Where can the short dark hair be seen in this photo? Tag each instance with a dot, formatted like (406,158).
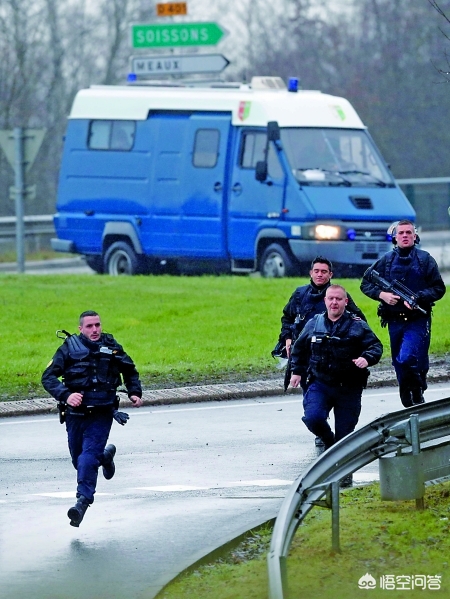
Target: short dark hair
(87,313)
(321,260)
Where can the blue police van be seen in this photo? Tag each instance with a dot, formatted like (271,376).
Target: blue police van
(233,178)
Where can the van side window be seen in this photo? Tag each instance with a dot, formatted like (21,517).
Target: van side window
(252,149)
(206,148)
(111,135)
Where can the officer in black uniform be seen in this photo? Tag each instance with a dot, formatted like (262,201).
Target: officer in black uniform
(335,348)
(309,300)
(409,329)
(91,367)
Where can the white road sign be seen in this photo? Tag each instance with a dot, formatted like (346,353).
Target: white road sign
(178,64)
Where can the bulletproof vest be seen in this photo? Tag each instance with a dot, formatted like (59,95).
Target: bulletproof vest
(331,356)
(306,307)
(93,371)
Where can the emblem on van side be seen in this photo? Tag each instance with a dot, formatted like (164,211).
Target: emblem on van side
(244,110)
(338,111)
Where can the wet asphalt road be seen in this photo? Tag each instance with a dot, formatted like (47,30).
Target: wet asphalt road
(189,477)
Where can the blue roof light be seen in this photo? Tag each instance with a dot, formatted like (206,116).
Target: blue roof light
(293,84)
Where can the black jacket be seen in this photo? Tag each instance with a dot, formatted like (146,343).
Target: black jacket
(95,369)
(417,270)
(325,349)
(304,304)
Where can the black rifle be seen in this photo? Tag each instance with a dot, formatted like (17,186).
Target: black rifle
(397,288)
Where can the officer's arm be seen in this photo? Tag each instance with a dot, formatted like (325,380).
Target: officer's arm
(287,320)
(300,350)
(130,375)
(368,288)
(51,377)
(435,285)
(372,348)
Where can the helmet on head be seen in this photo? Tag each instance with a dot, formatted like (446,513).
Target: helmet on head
(392,231)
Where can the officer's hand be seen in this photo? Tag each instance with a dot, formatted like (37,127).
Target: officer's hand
(295,380)
(389,298)
(408,306)
(360,362)
(75,400)
(136,401)
(120,417)
(288,347)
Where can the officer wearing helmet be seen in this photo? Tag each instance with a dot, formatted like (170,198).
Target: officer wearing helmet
(409,329)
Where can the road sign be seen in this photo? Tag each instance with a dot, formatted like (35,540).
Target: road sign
(32,140)
(176,34)
(151,66)
(171,9)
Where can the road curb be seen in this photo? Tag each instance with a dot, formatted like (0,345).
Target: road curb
(226,545)
(201,393)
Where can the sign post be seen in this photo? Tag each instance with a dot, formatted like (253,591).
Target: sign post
(20,147)
(176,35)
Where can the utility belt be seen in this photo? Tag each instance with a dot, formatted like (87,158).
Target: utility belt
(351,379)
(90,410)
(83,411)
(387,315)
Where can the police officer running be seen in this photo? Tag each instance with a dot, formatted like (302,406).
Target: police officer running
(91,366)
(308,300)
(335,348)
(409,329)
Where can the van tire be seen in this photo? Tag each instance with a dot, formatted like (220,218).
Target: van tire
(276,262)
(95,262)
(121,259)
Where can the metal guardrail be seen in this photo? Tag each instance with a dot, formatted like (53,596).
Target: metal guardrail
(34,225)
(382,436)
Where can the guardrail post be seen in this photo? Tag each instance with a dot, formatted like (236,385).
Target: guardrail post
(19,193)
(415,449)
(335,542)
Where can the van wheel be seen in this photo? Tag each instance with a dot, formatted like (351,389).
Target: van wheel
(95,262)
(276,263)
(121,259)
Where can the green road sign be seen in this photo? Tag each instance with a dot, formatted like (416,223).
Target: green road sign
(176,34)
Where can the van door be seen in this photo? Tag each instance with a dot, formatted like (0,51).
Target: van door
(253,205)
(205,186)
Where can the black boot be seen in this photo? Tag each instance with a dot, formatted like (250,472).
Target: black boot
(417,396)
(406,395)
(76,513)
(346,482)
(109,467)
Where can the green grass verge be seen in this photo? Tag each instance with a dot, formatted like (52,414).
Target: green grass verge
(376,537)
(179,330)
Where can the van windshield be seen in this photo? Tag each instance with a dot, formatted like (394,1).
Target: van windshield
(334,157)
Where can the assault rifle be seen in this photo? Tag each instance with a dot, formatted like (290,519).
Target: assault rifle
(397,288)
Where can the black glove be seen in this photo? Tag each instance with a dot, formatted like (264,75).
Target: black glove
(120,417)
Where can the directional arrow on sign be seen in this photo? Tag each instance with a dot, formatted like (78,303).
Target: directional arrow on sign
(173,64)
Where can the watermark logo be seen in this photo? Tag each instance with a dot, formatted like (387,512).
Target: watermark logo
(402,582)
(367,582)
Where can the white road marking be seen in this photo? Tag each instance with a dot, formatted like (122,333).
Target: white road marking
(221,406)
(274,482)
(64,494)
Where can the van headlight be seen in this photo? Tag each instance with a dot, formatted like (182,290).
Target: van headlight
(324,232)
